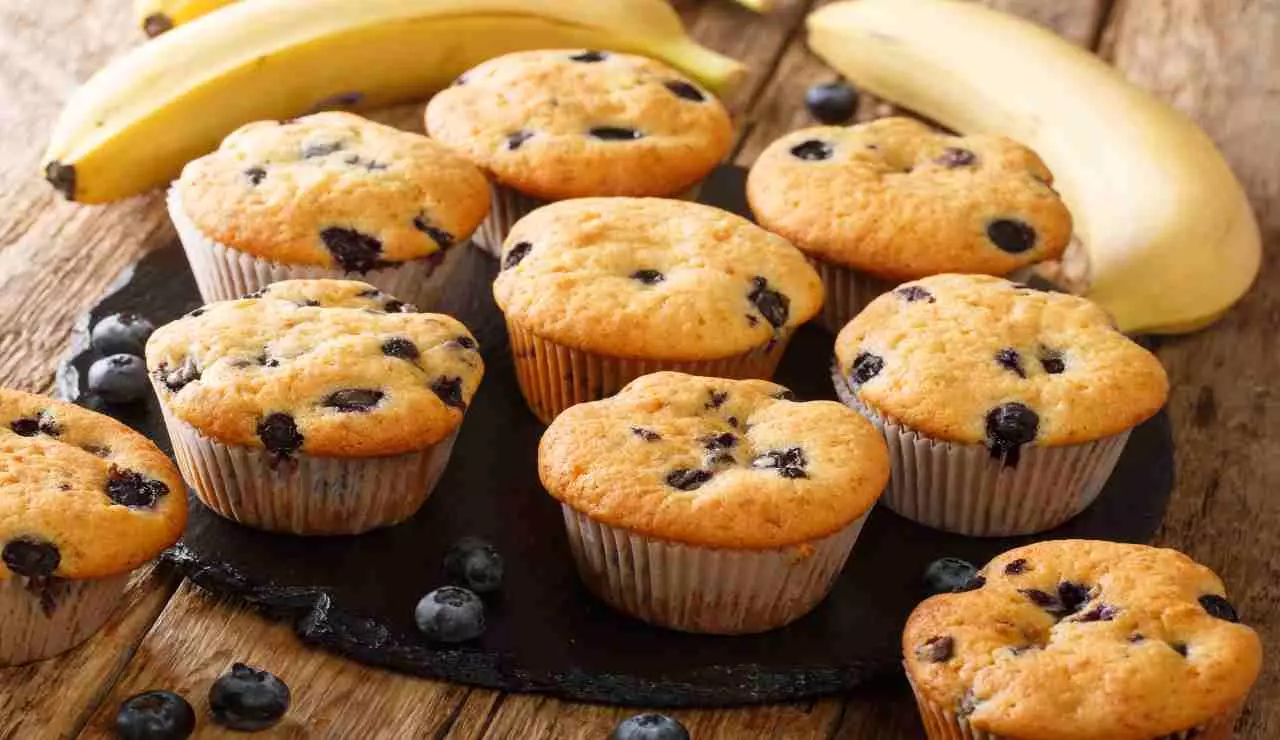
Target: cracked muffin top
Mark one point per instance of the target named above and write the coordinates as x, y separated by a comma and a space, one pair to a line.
714, 462
333, 190
1073, 639
973, 358
899, 200
653, 278
323, 367
81, 495
573, 123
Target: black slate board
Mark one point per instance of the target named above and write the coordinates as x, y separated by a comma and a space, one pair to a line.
355, 595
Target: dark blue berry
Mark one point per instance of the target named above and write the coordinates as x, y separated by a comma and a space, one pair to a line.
1052, 362
614, 133
648, 277
450, 614
130, 488
649, 726
865, 367
516, 139
351, 249
589, 57
449, 391
475, 564
774, 306
812, 150
350, 400
256, 175
1219, 607
647, 435
402, 348
119, 378
951, 575
832, 103
936, 649
442, 238
953, 157
121, 333
516, 255
31, 558
279, 434
682, 89
1009, 359
913, 293
247, 699
1011, 235
1009, 427
155, 715
688, 479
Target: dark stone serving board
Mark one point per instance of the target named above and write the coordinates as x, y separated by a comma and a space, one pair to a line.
355, 595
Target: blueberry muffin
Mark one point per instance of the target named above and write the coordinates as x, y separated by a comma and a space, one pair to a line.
1005, 408
574, 123
712, 505
314, 406
327, 196
881, 203
1080, 640
599, 291
84, 500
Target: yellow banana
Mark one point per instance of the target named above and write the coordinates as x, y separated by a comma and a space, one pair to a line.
136, 122
1169, 239
158, 16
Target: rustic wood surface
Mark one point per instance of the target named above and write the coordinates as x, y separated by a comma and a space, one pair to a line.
1214, 59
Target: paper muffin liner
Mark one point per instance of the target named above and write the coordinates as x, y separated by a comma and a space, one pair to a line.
509, 205
848, 292
304, 494
944, 723
704, 589
42, 618
224, 273
961, 488
554, 377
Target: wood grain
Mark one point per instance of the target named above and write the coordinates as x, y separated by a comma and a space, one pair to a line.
1215, 59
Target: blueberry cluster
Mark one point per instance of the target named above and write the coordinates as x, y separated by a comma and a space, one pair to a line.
119, 375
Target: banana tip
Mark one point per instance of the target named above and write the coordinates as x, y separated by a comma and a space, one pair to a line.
156, 24
62, 177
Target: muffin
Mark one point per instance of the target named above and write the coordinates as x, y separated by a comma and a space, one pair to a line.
327, 196
599, 291
314, 406
1005, 408
1080, 640
574, 123
84, 500
890, 201
712, 505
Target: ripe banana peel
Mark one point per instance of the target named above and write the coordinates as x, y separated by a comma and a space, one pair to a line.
1169, 241
136, 122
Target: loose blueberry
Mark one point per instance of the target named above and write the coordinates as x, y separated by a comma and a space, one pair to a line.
130, 488
402, 348
516, 139
688, 479
589, 57
518, 252
936, 649
155, 715
1011, 235
953, 157
247, 699
442, 238
614, 133
475, 564
913, 293
1009, 359
1052, 362
832, 103
648, 277
865, 367
450, 614
121, 333
649, 726
949, 576
30, 557
256, 175
352, 250
682, 89
1219, 607
119, 378
449, 390
812, 150
279, 434
350, 400
1010, 426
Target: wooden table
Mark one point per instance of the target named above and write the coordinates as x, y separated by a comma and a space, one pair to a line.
1218, 60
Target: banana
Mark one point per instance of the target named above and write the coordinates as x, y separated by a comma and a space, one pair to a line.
1169, 241
158, 16
136, 122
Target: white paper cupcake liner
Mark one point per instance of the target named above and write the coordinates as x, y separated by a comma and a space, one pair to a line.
961, 488
703, 589
509, 205
305, 495
40, 621
223, 273
554, 377
944, 723
848, 292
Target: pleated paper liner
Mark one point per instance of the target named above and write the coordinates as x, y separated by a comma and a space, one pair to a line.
848, 292
705, 589
961, 488
45, 619
554, 377
223, 273
305, 495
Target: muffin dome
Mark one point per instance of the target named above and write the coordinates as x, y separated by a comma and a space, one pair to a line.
572, 123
